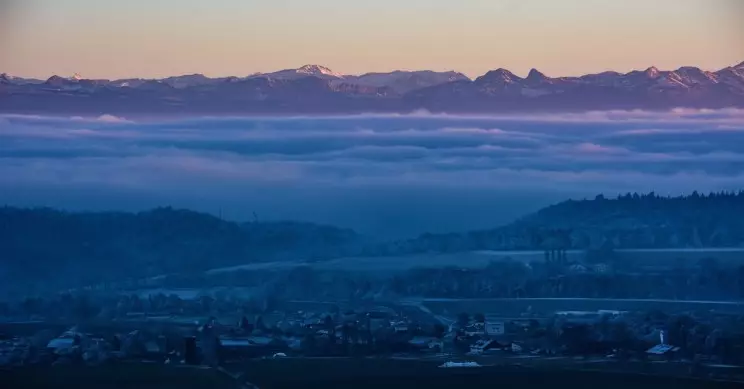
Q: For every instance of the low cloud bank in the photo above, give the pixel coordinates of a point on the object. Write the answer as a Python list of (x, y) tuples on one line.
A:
[(397, 174)]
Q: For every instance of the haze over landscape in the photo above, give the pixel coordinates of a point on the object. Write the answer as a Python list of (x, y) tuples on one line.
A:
[(109, 114), (393, 175), (340, 194)]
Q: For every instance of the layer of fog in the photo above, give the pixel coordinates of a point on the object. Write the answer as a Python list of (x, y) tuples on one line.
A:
[(385, 175)]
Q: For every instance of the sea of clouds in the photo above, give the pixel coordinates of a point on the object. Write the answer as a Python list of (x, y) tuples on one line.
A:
[(392, 175)]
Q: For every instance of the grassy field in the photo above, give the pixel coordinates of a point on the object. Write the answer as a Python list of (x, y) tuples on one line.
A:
[(396, 373), (480, 259), (120, 376), (332, 373)]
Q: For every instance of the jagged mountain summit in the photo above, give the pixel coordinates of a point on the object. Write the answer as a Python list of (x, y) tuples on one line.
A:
[(319, 90), (405, 81), (6, 78), (303, 71)]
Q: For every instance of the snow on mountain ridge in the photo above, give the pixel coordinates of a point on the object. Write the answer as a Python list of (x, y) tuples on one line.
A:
[(303, 71), (318, 69), (319, 88), (405, 80), (652, 72), (691, 75), (500, 74)]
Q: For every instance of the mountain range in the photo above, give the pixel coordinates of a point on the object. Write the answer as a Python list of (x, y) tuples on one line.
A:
[(314, 89)]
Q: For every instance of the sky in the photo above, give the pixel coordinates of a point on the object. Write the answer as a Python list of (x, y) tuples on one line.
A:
[(156, 38), (387, 176)]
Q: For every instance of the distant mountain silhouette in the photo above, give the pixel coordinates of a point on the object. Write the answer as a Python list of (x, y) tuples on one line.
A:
[(317, 89)]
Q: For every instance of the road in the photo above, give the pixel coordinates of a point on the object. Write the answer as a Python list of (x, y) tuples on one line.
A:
[(509, 306)]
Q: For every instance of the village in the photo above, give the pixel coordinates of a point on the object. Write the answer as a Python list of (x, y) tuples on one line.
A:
[(702, 344)]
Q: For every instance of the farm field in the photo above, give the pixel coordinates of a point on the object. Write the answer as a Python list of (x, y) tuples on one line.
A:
[(480, 259)]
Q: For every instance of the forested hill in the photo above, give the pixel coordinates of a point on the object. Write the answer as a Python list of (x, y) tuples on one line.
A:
[(59, 248), (85, 248), (627, 221)]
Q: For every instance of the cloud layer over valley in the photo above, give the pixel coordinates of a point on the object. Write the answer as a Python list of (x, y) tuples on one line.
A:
[(392, 175)]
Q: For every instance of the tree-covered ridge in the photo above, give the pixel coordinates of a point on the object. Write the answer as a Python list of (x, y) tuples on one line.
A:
[(627, 221), (59, 249), (87, 247)]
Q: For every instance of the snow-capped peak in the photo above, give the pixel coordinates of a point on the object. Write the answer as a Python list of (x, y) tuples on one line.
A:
[(317, 70), (499, 74), (692, 75), (652, 72)]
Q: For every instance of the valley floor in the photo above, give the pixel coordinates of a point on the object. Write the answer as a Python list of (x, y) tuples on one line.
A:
[(480, 259)]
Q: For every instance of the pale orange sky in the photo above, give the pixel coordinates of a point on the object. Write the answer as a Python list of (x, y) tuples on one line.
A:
[(155, 38)]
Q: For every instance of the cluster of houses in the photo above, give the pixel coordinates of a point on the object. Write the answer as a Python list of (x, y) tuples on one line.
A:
[(377, 331)]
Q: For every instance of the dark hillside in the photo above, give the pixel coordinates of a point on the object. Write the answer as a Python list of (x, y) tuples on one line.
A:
[(629, 221), (63, 248)]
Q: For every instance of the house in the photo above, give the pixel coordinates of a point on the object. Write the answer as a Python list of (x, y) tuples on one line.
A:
[(484, 345), (250, 346), (312, 322), (519, 325), (378, 323), (663, 352), (477, 329), (380, 314), (152, 348), (602, 268), (248, 341), (293, 342), (400, 327), (494, 328), (424, 342), (480, 346), (579, 317), (60, 343), (67, 340), (348, 317), (578, 269)]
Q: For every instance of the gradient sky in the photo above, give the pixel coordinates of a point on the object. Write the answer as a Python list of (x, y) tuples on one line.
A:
[(150, 38)]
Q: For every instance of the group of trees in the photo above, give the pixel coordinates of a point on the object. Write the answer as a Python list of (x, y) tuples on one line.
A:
[(46, 248), (635, 334), (632, 335), (66, 305), (709, 279), (628, 221), (264, 290)]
